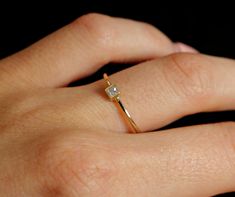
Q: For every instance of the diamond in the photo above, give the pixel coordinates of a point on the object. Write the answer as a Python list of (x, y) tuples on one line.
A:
[(112, 91)]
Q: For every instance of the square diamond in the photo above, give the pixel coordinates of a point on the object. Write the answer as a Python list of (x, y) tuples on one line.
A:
[(112, 91)]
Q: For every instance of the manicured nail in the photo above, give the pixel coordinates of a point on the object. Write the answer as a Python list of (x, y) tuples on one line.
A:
[(181, 47)]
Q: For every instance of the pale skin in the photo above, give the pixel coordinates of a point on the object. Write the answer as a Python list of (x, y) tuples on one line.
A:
[(61, 141)]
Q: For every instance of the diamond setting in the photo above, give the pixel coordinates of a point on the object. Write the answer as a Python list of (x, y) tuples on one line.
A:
[(112, 91)]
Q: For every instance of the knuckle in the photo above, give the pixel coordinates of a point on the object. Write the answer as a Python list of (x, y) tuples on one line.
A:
[(20, 108), (29, 110), (75, 165), (98, 27), (190, 75)]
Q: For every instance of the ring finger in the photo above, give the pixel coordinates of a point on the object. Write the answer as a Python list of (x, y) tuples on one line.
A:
[(163, 90)]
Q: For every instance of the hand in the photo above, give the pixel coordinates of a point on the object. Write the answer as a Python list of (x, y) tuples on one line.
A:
[(61, 141)]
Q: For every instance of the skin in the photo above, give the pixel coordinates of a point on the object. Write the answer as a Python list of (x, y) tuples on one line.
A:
[(69, 142)]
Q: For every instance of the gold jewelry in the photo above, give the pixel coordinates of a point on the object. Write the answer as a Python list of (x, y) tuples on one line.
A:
[(114, 95)]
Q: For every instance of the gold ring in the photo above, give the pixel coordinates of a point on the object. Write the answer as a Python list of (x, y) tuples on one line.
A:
[(114, 95)]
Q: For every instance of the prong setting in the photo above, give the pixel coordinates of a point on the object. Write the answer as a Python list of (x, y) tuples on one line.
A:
[(112, 92)]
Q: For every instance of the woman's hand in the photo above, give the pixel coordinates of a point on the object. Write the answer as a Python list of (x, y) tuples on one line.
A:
[(61, 141)]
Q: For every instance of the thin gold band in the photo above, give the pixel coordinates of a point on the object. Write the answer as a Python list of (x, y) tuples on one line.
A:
[(114, 95)]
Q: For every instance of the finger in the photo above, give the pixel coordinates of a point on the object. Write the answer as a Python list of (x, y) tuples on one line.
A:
[(161, 91), (82, 47), (191, 161), (185, 48)]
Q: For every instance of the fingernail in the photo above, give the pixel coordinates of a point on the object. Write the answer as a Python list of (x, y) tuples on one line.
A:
[(181, 47)]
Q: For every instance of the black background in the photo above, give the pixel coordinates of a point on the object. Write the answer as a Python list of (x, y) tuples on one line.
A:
[(210, 29)]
